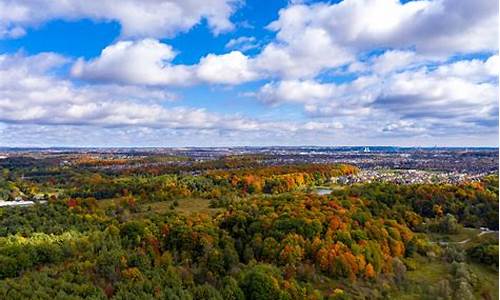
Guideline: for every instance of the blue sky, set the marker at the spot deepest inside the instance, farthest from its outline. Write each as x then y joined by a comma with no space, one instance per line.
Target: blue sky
231,72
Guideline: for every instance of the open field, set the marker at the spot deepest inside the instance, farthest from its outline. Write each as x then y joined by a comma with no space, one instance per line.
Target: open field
185,207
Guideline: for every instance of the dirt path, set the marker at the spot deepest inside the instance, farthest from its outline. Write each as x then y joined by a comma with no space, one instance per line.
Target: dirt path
467,240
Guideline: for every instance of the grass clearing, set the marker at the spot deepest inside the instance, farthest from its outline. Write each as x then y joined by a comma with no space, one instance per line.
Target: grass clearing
488,278
428,271
185,207
105,203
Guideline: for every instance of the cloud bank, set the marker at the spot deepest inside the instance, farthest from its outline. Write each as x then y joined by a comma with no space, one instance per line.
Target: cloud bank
374,69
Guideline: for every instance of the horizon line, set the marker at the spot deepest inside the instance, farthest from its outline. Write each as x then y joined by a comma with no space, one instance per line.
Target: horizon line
239,146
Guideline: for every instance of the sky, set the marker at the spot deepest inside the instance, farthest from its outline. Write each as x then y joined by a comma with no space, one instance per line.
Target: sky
175,73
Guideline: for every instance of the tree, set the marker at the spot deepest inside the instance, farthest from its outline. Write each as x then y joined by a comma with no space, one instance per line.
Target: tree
399,270
132,233
259,285
206,292
369,271
231,290
449,224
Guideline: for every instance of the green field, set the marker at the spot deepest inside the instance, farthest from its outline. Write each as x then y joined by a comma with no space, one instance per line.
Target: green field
185,206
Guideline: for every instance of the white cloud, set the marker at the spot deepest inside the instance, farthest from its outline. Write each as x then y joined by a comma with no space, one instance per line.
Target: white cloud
142,62
396,85
414,86
30,95
324,99
27,135
243,43
462,94
148,62
295,91
393,61
230,68
13,32
322,125
432,27
302,55
427,95
138,18
473,70
314,38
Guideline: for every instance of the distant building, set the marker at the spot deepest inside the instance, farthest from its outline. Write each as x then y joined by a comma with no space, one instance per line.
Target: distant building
343,180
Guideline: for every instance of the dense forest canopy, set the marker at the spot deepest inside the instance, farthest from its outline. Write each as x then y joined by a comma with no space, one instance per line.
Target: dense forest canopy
253,232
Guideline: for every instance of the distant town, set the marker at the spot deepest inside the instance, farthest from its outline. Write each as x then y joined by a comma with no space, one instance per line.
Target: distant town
387,164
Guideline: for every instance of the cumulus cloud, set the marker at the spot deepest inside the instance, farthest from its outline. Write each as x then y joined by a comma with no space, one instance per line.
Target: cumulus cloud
431,27
302,55
230,68
243,43
138,18
373,66
29,94
28,135
473,70
404,127
395,60
313,38
324,99
142,62
307,91
426,94
463,93
148,62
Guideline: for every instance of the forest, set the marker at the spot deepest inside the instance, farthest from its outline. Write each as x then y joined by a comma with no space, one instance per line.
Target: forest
233,228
